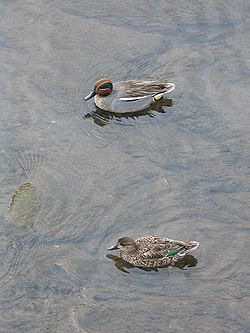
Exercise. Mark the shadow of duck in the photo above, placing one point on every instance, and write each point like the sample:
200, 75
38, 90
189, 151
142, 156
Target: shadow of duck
122, 265
102, 118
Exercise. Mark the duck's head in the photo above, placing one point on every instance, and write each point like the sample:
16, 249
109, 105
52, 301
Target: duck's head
125, 243
102, 88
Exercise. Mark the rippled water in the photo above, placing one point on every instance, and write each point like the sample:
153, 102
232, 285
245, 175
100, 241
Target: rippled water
74, 179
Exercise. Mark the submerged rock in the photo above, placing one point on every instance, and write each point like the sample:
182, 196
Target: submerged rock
24, 205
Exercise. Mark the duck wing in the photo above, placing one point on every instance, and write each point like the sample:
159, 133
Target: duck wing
164, 249
134, 88
132, 96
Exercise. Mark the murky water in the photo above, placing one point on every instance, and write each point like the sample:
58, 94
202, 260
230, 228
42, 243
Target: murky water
74, 179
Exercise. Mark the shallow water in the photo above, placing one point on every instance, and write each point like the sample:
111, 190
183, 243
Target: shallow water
178, 170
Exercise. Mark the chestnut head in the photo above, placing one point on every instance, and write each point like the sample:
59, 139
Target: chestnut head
102, 88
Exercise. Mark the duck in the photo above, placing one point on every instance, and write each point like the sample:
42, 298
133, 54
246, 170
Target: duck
128, 96
153, 251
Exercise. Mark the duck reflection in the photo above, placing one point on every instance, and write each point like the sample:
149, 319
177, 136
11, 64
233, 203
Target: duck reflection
187, 261
102, 118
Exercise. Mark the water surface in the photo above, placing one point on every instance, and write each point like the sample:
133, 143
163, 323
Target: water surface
74, 179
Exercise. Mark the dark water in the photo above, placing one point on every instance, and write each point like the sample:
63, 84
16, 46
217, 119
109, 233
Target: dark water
74, 180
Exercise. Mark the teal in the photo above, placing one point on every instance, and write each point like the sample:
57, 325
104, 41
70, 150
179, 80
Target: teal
153, 251
128, 96
171, 254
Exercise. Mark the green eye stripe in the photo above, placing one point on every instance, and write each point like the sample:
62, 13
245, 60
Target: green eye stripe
106, 85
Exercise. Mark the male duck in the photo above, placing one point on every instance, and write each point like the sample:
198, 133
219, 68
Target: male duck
128, 96
153, 251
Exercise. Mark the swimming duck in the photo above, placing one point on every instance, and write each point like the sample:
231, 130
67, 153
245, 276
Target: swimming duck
153, 251
128, 96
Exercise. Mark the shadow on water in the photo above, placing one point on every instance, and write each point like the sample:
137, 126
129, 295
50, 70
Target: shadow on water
102, 117
187, 261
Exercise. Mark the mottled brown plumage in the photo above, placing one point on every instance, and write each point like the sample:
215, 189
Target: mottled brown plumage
153, 251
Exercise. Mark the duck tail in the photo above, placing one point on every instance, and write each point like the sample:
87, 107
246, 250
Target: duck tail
188, 247
192, 245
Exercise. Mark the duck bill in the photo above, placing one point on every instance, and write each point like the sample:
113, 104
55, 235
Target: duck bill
113, 248
92, 94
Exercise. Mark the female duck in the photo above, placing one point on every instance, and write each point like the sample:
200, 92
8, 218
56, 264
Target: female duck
153, 251
128, 96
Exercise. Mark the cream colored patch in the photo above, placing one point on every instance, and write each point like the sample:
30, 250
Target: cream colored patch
157, 97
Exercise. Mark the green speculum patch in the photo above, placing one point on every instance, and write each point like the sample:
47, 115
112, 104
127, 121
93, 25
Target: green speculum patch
171, 253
